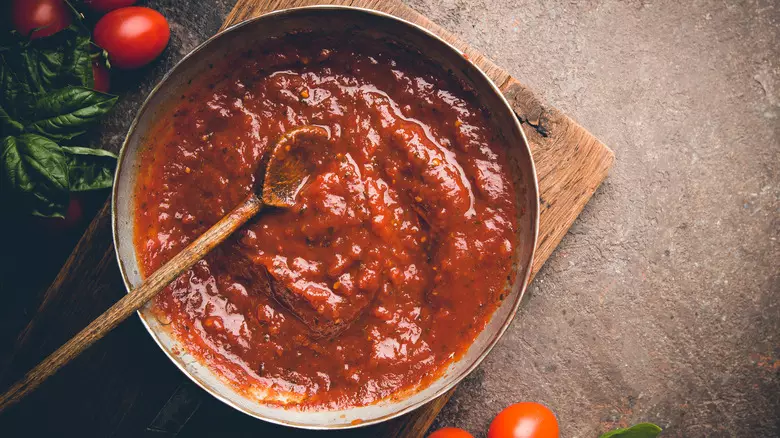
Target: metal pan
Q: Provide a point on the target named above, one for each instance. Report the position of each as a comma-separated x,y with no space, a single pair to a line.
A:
329,19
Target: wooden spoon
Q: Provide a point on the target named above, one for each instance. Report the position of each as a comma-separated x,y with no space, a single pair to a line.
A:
284,176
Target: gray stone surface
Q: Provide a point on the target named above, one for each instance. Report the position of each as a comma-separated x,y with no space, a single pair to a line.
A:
662,302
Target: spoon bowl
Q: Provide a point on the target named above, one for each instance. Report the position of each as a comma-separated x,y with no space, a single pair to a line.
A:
288,167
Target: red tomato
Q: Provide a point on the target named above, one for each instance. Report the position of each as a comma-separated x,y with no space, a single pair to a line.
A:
132,36
101,76
73,216
450,432
104,6
525,420
48,16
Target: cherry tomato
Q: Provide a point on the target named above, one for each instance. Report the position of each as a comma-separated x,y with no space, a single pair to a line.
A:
450,432
73,216
104,6
132,36
48,16
525,420
101,76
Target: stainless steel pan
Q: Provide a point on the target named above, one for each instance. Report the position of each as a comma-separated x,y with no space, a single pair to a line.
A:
329,19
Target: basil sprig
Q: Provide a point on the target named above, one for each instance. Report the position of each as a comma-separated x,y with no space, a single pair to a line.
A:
641,430
47,101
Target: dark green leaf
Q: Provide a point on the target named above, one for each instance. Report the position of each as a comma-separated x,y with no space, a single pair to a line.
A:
34,171
8,126
45,97
641,430
66,62
33,68
67,113
15,79
89,169
54,62
15,96
81,65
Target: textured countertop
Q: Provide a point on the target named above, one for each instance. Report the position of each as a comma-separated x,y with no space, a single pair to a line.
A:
662,303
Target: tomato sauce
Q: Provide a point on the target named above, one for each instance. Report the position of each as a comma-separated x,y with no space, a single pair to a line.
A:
399,247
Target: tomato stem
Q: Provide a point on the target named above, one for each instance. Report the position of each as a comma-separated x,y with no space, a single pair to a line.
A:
75,11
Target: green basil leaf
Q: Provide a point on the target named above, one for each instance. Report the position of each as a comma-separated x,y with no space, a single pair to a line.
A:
641,430
15,97
63,61
66,113
34,171
8,126
81,61
16,83
33,68
89,169
54,62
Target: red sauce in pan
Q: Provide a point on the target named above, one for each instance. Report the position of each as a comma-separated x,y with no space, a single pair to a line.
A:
403,236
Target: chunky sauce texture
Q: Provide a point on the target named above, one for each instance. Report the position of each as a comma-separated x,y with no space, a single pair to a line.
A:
400,245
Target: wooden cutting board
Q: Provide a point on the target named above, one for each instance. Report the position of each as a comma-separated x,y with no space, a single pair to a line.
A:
126,387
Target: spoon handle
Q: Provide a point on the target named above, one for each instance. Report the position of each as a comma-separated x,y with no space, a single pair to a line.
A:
133,300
